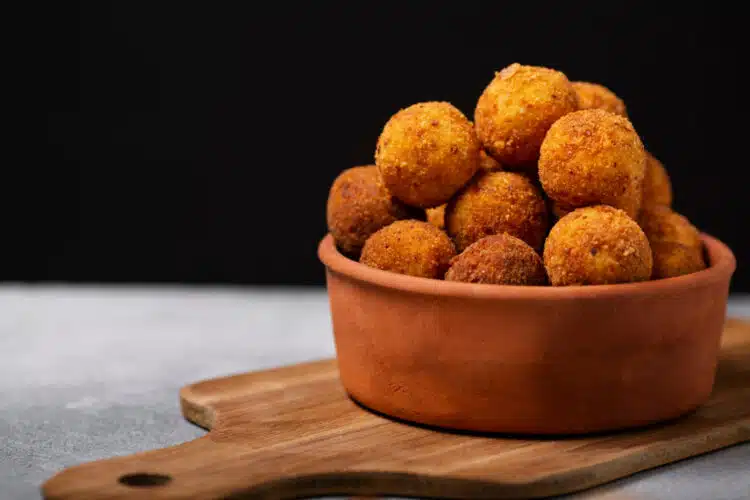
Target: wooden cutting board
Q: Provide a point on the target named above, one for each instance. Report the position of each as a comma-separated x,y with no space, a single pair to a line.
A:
292,432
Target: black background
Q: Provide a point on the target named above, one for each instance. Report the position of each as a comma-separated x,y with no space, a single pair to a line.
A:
195,142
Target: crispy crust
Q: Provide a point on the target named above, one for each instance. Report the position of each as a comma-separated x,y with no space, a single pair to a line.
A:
597,245
426,153
358,205
593,157
676,244
596,96
657,187
436,216
494,203
409,247
517,108
500,259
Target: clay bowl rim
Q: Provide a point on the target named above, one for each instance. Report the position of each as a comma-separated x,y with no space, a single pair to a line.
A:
722,264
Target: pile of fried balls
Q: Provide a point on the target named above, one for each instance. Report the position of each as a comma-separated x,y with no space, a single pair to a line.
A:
550,185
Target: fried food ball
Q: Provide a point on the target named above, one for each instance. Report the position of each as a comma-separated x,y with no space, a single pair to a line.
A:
517,108
359,204
596,96
593,157
500,259
436,216
488,163
410,247
494,203
595,246
657,188
426,153
675,243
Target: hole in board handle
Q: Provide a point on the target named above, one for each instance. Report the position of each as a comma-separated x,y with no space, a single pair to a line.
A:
144,480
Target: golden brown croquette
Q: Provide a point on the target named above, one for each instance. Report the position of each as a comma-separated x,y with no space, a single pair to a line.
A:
494,203
499,259
426,153
593,157
436,216
657,187
675,243
517,108
488,163
359,204
596,96
595,246
409,247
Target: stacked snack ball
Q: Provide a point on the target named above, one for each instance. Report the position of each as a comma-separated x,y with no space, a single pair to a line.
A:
593,157
517,108
488,163
436,216
541,149
657,188
494,203
500,259
595,246
596,96
411,247
358,205
675,243
426,153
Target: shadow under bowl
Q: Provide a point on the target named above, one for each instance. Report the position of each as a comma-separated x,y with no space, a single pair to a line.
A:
534,360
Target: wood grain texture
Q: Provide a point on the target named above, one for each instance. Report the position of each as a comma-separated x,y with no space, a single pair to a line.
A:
292,432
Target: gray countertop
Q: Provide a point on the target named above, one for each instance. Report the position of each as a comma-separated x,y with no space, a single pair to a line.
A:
93,372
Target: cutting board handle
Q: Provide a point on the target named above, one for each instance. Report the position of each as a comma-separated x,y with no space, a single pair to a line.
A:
202,468
135,476
206,469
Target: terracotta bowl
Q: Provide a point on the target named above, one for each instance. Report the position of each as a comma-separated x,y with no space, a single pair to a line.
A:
531,360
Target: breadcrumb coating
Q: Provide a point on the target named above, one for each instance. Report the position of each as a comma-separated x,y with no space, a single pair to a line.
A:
426,153
593,157
675,243
595,246
436,216
517,108
499,259
657,187
409,247
494,203
595,96
358,205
